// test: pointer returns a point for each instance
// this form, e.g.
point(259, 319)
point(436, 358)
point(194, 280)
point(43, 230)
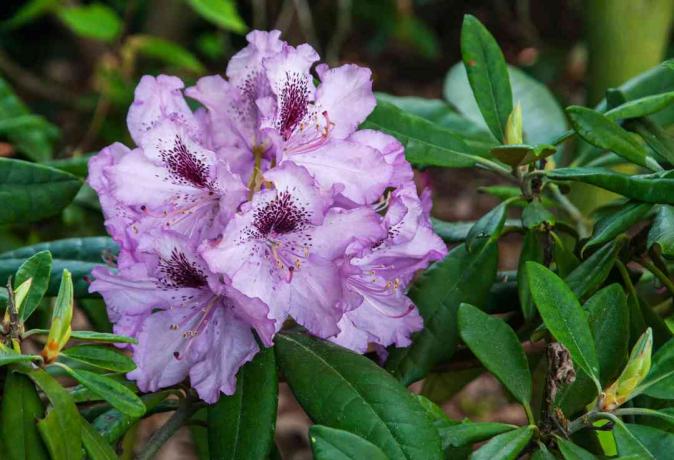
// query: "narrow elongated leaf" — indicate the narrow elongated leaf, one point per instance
point(659, 383)
point(426, 144)
point(650, 189)
point(608, 317)
point(101, 357)
point(460, 277)
point(61, 429)
point(468, 433)
point(166, 51)
point(112, 424)
point(21, 407)
point(658, 442)
point(92, 336)
point(594, 270)
point(31, 192)
point(487, 74)
point(222, 13)
point(332, 444)
point(119, 396)
point(96, 447)
point(536, 215)
point(505, 446)
point(563, 316)
point(628, 444)
point(356, 395)
point(38, 269)
point(497, 347)
point(532, 250)
point(97, 21)
point(600, 131)
point(571, 451)
point(9, 356)
point(241, 426)
point(642, 106)
point(659, 140)
point(662, 231)
point(487, 228)
point(614, 224)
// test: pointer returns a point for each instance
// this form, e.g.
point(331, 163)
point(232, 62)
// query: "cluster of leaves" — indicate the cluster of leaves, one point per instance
point(579, 335)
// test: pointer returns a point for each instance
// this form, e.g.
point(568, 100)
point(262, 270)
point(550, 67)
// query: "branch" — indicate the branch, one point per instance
point(185, 410)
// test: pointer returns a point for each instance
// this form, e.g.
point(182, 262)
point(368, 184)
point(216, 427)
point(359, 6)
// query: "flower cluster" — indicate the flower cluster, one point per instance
point(265, 203)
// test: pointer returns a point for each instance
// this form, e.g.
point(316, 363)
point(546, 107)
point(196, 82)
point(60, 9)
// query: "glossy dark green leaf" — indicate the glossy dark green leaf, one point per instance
point(662, 231)
point(532, 250)
point(61, 429)
point(76, 165)
point(34, 140)
point(241, 426)
point(541, 113)
point(487, 74)
point(222, 13)
point(498, 348)
point(333, 444)
point(642, 106)
point(356, 395)
point(95, 445)
point(457, 232)
point(505, 446)
point(614, 224)
point(119, 396)
point(80, 393)
point(487, 228)
point(572, 451)
point(426, 144)
point(536, 215)
point(598, 130)
point(608, 317)
point(9, 356)
point(21, 407)
point(628, 444)
point(659, 383)
point(96, 21)
point(658, 442)
point(100, 357)
point(31, 192)
point(37, 268)
point(92, 336)
point(594, 270)
point(460, 277)
point(467, 433)
point(564, 257)
point(112, 424)
point(659, 140)
point(650, 189)
point(563, 316)
point(542, 453)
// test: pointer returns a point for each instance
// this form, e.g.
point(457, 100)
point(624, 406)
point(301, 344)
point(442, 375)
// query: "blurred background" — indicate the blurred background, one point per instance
point(68, 69)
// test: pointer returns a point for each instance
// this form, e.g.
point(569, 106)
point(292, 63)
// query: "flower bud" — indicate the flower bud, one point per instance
point(59, 332)
point(513, 130)
point(632, 375)
point(21, 292)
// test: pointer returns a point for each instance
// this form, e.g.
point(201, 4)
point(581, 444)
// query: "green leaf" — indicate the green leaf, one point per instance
point(96, 21)
point(532, 250)
point(662, 231)
point(438, 292)
point(596, 129)
point(519, 155)
point(640, 107)
point(92, 336)
point(112, 424)
point(467, 433)
point(563, 316)
point(34, 140)
point(542, 453)
point(119, 396)
point(594, 270)
point(332, 444)
point(356, 395)
point(571, 451)
point(241, 426)
point(497, 347)
point(608, 317)
point(21, 407)
point(38, 269)
point(9, 356)
point(659, 140)
point(659, 383)
point(536, 215)
point(441, 386)
point(75, 165)
point(28, 12)
point(650, 189)
point(95, 445)
point(487, 74)
point(627, 443)
point(101, 357)
point(61, 429)
point(31, 192)
point(222, 13)
point(658, 442)
point(488, 228)
point(426, 144)
point(165, 51)
point(616, 223)
point(542, 116)
point(505, 446)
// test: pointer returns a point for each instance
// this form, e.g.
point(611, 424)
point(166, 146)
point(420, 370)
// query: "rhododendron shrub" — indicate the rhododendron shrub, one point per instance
point(266, 225)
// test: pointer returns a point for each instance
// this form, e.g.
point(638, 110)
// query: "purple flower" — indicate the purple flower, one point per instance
point(187, 321)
